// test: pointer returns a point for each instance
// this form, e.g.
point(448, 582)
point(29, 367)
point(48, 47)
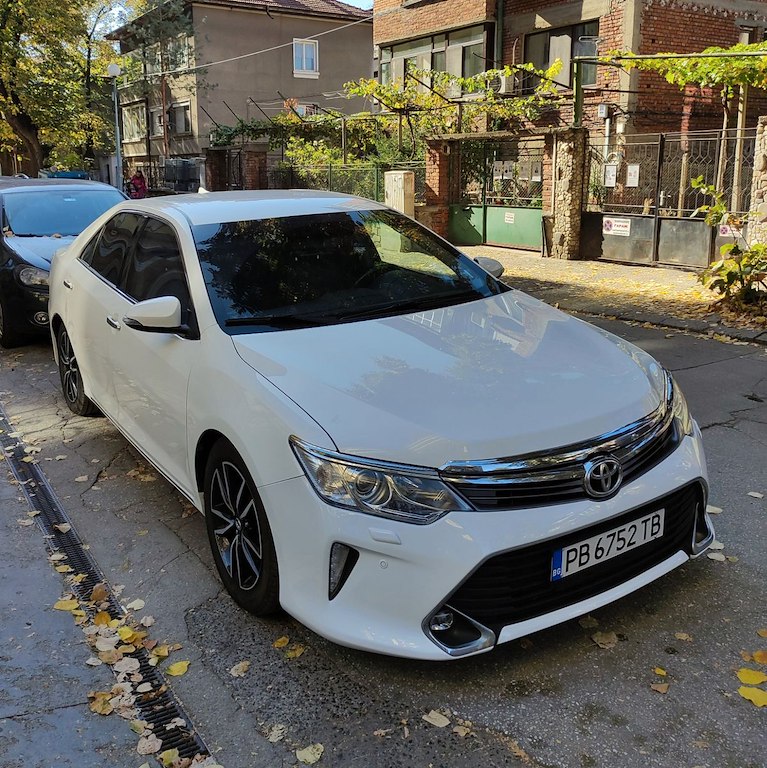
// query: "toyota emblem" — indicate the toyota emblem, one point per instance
point(603, 476)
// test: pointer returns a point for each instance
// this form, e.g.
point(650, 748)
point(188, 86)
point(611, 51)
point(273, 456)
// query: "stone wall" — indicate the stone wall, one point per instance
point(757, 226)
point(569, 173)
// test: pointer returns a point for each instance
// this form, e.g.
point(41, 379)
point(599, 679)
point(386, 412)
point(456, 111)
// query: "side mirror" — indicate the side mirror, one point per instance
point(160, 315)
point(493, 266)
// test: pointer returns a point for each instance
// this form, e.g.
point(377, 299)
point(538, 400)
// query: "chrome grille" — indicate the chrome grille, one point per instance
point(553, 478)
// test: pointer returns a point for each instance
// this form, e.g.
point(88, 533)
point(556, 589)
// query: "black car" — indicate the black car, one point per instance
point(39, 216)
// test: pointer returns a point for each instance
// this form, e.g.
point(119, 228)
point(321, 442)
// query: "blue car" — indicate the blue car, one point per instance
point(39, 217)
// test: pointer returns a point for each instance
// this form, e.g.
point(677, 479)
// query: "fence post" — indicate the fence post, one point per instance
point(330, 177)
point(658, 180)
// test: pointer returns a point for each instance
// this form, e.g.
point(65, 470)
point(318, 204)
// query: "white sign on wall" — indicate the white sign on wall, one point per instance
point(632, 175)
point(613, 226)
point(611, 175)
point(508, 217)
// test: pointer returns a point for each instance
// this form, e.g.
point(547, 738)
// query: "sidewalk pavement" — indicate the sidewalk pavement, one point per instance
point(664, 297)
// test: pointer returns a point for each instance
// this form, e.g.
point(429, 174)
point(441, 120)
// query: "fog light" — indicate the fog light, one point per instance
point(342, 561)
point(441, 621)
point(41, 318)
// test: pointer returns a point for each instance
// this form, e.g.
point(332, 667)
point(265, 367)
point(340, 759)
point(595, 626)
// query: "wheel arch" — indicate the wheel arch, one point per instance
point(205, 444)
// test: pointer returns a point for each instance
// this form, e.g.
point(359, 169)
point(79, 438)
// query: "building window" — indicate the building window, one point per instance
point(306, 110)
point(542, 49)
point(155, 122)
point(180, 119)
point(134, 122)
point(305, 58)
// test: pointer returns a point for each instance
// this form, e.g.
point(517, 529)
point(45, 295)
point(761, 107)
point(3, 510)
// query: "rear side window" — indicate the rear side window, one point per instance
point(155, 266)
point(108, 257)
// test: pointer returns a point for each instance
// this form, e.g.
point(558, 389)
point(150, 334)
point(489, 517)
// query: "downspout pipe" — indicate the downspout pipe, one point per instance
point(499, 34)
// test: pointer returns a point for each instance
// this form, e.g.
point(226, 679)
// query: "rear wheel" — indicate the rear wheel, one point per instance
point(239, 533)
point(71, 380)
point(9, 336)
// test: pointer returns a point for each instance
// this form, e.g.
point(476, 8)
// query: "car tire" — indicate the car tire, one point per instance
point(9, 336)
point(71, 380)
point(239, 534)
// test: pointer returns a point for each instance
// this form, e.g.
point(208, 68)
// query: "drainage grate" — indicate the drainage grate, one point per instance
point(156, 708)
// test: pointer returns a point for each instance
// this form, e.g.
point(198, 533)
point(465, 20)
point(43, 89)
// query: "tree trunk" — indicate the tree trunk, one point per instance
point(27, 131)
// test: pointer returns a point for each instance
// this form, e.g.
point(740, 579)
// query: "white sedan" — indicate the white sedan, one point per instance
point(404, 453)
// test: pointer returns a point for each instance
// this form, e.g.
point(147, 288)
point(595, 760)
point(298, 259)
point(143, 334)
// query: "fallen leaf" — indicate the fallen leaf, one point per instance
point(605, 640)
point(276, 733)
point(294, 651)
point(716, 545)
point(660, 671)
point(138, 726)
point(63, 527)
point(525, 643)
point(84, 479)
point(239, 669)
point(436, 718)
point(57, 557)
point(148, 745)
point(588, 622)
point(60, 457)
point(78, 578)
point(29, 460)
point(178, 668)
point(746, 656)
point(751, 676)
point(106, 643)
point(461, 730)
point(683, 636)
point(712, 510)
point(381, 732)
point(93, 662)
point(65, 605)
point(102, 619)
point(754, 695)
point(142, 533)
point(33, 513)
point(660, 687)
point(99, 593)
point(281, 642)
point(761, 632)
point(64, 569)
point(756, 495)
point(311, 754)
point(144, 688)
point(168, 757)
point(760, 657)
point(111, 656)
point(25, 521)
point(136, 605)
point(718, 556)
point(147, 621)
point(101, 703)
point(127, 665)
point(731, 559)
point(176, 722)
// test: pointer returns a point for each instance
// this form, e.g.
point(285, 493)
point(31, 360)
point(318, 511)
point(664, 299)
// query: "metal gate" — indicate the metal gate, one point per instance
point(234, 169)
point(640, 205)
point(500, 197)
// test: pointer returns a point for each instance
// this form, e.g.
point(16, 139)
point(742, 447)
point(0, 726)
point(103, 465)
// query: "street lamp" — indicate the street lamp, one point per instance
point(114, 71)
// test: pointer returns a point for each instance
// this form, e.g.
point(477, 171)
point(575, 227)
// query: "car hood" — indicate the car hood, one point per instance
point(38, 251)
point(499, 377)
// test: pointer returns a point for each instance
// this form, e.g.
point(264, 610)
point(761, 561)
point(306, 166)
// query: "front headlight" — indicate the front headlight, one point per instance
point(680, 409)
point(400, 492)
point(33, 277)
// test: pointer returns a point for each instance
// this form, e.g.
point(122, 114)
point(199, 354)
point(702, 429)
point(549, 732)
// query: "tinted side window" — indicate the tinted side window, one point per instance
point(156, 267)
point(113, 246)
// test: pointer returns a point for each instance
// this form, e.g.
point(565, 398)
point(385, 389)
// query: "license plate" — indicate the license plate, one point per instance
point(605, 546)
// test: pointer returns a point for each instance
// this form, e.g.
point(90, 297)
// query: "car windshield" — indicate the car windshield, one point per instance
point(318, 269)
point(61, 211)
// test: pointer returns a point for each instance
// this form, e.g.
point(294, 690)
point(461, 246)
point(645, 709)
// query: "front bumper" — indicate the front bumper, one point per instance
point(27, 308)
point(406, 572)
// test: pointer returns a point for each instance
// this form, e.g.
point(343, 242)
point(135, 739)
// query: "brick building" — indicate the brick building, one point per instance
point(468, 36)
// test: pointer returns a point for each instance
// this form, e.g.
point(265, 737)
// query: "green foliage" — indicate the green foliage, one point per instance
point(739, 275)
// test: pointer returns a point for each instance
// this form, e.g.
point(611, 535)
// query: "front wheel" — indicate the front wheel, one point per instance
point(71, 380)
point(239, 533)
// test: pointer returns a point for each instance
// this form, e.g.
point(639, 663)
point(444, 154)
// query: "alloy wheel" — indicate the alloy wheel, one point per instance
point(236, 527)
point(70, 372)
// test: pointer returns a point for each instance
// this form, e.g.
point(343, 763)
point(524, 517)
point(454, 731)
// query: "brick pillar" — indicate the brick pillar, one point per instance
point(568, 187)
point(437, 190)
point(215, 169)
point(757, 225)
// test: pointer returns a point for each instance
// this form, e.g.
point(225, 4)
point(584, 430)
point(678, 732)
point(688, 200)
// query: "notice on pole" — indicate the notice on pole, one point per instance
point(613, 226)
point(508, 217)
point(632, 175)
point(611, 175)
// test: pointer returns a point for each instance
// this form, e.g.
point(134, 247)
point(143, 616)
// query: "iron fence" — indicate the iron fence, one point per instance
point(363, 180)
point(659, 169)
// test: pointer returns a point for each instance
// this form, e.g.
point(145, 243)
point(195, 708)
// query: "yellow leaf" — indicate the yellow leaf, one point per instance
point(660, 687)
point(138, 726)
point(78, 578)
point(102, 619)
point(168, 757)
point(760, 657)
point(683, 636)
point(754, 695)
point(126, 633)
point(99, 593)
point(64, 569)
point(660, 671)
point(178, 668)
point(161, 651)
point(761, 632)
point(101, 703)
point(310, 754)
point(294, 651)
point(281, 642)
point(63, 527)
point(751, 676)
point(239, 669)
point(65, 605)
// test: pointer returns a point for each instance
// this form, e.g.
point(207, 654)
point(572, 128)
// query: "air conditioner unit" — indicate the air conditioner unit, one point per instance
point(505, 85)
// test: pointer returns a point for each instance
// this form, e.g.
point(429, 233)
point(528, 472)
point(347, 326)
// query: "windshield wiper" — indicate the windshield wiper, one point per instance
point(278, 321)
point(422, 304)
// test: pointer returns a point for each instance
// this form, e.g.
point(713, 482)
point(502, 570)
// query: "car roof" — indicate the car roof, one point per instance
point(247, 205)
point(8, 183)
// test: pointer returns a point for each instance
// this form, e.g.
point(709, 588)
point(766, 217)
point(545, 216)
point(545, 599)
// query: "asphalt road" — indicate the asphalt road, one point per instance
point(553, 699)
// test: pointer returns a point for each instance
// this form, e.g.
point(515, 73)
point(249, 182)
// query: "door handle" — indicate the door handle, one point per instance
point(111, 321)
point(67, 284)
